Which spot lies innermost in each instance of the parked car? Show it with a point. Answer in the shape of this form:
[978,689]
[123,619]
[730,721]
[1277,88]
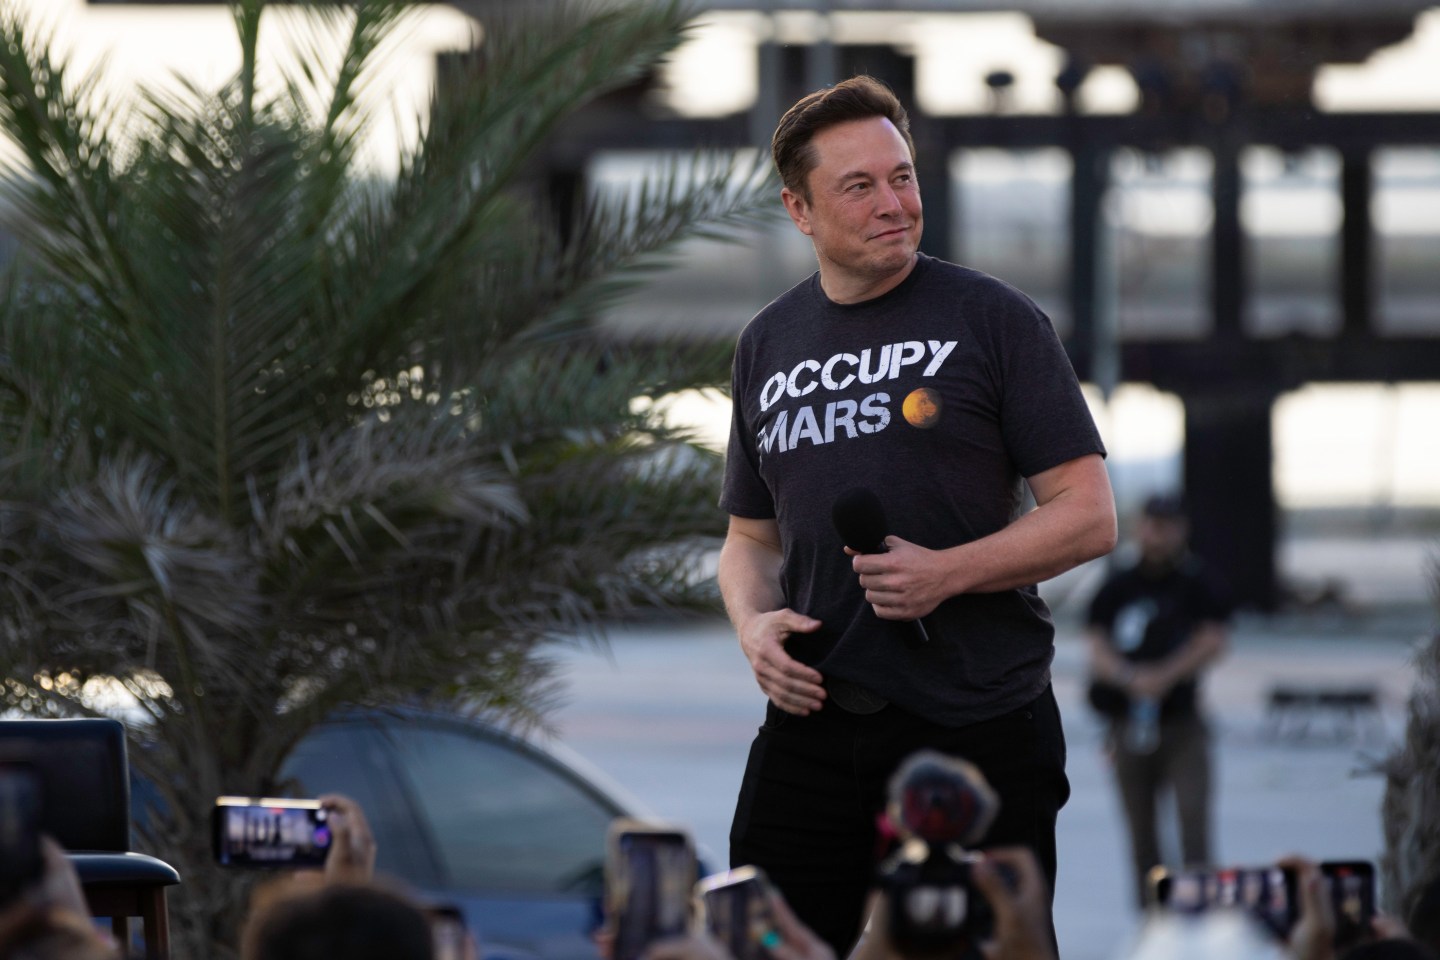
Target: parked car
[509,831]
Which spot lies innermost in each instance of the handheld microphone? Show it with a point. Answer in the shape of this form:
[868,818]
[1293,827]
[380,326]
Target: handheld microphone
[860,520]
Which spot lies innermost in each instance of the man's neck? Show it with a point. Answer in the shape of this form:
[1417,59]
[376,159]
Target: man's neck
[849,288]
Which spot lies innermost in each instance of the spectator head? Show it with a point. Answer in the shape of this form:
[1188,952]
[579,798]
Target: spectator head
[337,922]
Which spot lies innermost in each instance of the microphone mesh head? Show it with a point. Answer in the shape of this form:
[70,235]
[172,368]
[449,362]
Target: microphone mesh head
[941,799]
[860,520]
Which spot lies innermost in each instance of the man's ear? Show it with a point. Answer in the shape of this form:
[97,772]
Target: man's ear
[798,209]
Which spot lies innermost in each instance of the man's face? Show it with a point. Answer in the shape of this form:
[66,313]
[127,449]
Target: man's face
[1161,539]
[863,213]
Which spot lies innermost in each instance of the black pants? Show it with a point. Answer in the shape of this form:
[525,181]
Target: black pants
[815,785]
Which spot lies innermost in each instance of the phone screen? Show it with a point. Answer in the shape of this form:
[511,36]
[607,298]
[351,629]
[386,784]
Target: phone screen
[738,914]
[1269,893]
[649,879]
[269,832]
[1352,894]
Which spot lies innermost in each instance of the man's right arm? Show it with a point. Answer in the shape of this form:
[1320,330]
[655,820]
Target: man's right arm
[749,577]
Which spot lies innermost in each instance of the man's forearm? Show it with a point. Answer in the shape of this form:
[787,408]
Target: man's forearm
[749,578]
[1054,537]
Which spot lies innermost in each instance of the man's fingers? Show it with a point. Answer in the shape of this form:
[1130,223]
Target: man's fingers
[791,685]
[797,622]
[781,667]
[790,694]
[796,701]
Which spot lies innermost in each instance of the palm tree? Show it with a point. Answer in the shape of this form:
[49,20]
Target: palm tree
[277,437]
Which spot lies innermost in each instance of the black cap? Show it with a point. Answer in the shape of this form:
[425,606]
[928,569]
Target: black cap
[1165,506]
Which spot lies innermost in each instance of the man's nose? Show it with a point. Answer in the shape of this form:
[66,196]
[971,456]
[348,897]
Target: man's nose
[887,201]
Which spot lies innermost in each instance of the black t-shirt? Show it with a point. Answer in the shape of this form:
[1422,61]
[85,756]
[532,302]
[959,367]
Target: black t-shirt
[939,395]
[1147,615]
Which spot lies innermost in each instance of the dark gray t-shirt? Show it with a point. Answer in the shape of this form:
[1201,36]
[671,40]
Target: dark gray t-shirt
[939,396]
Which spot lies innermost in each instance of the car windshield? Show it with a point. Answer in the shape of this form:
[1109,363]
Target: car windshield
[501,819]
[353,759]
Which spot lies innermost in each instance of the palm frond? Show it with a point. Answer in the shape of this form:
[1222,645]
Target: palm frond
[277,435]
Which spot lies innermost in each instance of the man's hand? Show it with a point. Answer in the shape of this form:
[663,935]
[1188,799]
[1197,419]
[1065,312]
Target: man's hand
[790,684]
[749,576]
[1022,920]
[906,582]
[352,846]
[1148,683]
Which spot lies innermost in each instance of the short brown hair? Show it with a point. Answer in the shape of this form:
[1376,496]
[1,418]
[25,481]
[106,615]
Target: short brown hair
[858,98]
[350,921]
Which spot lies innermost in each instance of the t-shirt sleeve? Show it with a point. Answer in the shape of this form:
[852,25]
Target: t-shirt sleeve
[743,492]
[1044,417]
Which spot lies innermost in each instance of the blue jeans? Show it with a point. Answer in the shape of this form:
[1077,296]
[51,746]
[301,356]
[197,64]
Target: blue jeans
[814,786]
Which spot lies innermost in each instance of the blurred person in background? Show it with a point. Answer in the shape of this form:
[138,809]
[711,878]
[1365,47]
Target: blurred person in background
[1153,628]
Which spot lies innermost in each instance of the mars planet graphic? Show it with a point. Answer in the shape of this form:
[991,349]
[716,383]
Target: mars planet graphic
[922,408]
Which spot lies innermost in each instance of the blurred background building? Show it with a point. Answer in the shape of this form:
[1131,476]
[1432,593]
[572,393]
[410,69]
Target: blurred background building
[1230,208]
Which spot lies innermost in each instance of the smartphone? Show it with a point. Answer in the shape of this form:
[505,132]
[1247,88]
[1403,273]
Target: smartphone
[269,832]
[650,875]
[1269,893]
[738,913]
[1352,895]
[21,860]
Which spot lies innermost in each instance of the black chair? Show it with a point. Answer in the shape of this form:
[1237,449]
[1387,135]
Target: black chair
[84,774]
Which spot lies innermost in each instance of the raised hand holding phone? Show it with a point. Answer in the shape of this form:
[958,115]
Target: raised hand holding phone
[270,832]
[352,846]
[650,875]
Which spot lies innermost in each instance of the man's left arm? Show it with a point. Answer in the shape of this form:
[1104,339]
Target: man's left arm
[1073,521]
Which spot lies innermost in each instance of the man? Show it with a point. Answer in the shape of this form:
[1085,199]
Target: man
[938,388]
[1153,628]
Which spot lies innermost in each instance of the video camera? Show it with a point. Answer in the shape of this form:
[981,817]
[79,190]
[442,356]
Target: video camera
[937,805]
